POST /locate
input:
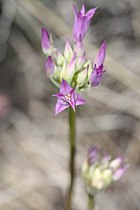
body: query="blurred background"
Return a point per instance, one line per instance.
(33, 143)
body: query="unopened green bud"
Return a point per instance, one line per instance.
(60, 59)
(68, 52)
(82, 76)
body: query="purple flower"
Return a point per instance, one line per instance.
(45, 40)
(67, 97)
(98, 69)
(81, 22)
(49, 66)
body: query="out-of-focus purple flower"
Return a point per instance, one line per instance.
(100, 171)
(45, 40)
(49, 66)
(67, 97)
(81, 22)
(98, 69)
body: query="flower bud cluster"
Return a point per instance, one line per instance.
(100, 171)
(71, 70)
(72, 65)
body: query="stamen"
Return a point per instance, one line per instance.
(68, 97)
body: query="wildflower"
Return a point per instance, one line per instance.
(72, 65)
(67, 97)
(81, 22)
(100, 171)
(98, 69)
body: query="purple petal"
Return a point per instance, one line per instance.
(78, 23)
(86, 21)
(79, 100)
(49, 66)
(65, 87)
(45, 40)
(82, 11)
(58, 95)
(90, 13)
(76, 11)
(96, 76)
(99, 60)
(77, 28)
(61, 105)
(72, 102)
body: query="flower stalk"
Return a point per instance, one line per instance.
(91, 202)
(72, 142)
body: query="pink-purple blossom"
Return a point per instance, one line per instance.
(72, 66)
(82, 21)
(45, 40)
(100, 170)
(49, 66)
(98, 69)
(67, 97)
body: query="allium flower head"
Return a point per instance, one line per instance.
(99, 171)
(72, 65)
(67, 97)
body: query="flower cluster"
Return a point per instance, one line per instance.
(72, 70)
(99, 170)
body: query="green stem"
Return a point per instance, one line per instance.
(91, 202)
(72, 143)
